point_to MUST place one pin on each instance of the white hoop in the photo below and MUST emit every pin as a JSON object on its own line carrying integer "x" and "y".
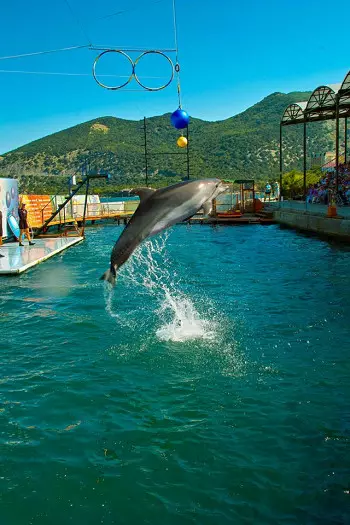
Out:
{"x": 133, "y": 70}
{"x": 113, "y": 88}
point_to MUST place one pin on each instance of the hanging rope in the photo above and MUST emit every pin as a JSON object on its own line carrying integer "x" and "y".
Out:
{"x": 177, "y": 65}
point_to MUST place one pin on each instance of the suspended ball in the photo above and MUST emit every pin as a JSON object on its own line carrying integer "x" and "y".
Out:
{"x": 182, "y": 142}
{"x": 180, "y": 119}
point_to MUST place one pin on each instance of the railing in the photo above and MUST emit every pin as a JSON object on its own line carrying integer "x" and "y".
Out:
{"x": 105, "y": 209}
{"x": 67, "y": 210}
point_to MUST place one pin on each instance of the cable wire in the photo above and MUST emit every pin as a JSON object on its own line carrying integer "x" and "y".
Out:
{"x": 44, "y": 52}
{"x": 177, "y": 66}
{"x": 78, "y": 22}
{"x": 57, "y": 73}
{"x": 117, "y": 13}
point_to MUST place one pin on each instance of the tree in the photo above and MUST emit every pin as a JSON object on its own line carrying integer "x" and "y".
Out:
{"x": 293, "y": 181}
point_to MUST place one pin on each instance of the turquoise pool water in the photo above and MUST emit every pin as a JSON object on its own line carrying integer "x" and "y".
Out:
{"x": 210, "y": 387}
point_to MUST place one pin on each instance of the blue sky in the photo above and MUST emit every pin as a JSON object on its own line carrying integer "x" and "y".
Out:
{"x": 232, "y": 54}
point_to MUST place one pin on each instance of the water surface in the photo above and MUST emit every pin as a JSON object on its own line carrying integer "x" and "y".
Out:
{"x": 210, "y": 387}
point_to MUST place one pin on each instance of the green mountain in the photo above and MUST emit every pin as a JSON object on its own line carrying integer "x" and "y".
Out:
{"x": 246, "y": 145}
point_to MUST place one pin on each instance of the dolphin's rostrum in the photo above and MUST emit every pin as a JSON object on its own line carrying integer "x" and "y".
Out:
{"x": 158, "y": 210}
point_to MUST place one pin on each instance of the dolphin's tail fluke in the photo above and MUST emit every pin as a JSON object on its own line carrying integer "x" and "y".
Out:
{"x": 110, "y": 275}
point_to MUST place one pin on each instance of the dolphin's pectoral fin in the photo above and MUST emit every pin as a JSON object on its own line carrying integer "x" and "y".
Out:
{"x": 143, "y": 193}
{"x": 207, "y": 207}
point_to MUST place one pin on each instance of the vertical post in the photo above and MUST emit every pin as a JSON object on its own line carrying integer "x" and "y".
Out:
{"x": 253, "y": 197}
{"x": 58, "y": 206}
{"x": 85, "y": 204}
{"x": 346, "y": 140}
{"x": 146, "y": 159}
{"x": 304, "y": 151}
{"x": 188, "y": 153}
{"x": 281, "y": 160}
{"x": 337, "y": 147}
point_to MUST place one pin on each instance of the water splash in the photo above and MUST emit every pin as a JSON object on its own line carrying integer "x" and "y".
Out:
{"x": 185, "y": 322}
{"x": 153, "y": 273}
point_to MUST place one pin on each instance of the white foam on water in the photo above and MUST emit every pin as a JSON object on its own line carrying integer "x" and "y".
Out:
{"x": 185, "y": 322}
{"x": 124, "y": 320}
{"x": 153, "y": 273}
{"x": 108, "y": 293}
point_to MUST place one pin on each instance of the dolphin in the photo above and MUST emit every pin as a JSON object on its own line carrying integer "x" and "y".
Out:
{"x": 158, "y": 210}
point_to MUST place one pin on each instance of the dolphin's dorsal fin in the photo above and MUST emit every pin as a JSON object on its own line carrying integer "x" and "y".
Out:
{"x": 143, "y": 193}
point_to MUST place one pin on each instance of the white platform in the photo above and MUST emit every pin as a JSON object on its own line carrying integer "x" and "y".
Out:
{"x": 19, "y": 259}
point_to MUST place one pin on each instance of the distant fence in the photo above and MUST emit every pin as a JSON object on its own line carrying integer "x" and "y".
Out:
{"x": 303, "y": 206}
{"x": 105, "y": 209}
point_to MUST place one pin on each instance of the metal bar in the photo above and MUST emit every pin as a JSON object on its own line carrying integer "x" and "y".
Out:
{"x": 130, "y": 50}
{"x": 304, "y": 152}
{"x": 188, "y": 153}
{"x": 281, "y": 160}
{"x": 346, "y": 141}
{"x": 166, "y": 153}
{"x": 85, "y": 205}
{"x": 337, "y": 149}
{"x": 253, "y": 197}
{"x": 146, "y": 162}
{"x": 60, "y": 207}
{"x": 315, "y": 119}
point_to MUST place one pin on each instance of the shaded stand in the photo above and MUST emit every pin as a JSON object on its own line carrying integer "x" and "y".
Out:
{"x": 325, "y": 103}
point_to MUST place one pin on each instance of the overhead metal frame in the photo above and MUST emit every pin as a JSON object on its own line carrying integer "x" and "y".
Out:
{"x": 150, "y": 154}
{"x": 328, "y": 102}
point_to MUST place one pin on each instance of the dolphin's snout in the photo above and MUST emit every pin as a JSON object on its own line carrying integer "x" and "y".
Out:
{"x": 223, "y": 187}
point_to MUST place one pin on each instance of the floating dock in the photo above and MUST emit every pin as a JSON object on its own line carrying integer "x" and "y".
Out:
{"x": 18, "y": 259}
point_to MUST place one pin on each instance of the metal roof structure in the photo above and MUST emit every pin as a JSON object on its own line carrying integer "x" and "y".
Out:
{"x": 322, "y": 104}
{"x": 328, "y": 102}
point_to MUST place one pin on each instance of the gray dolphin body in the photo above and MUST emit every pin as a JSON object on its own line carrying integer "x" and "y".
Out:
{"x": 158, "y": 210}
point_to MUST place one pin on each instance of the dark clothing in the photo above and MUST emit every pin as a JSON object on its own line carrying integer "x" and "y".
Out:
{"x": 23, "y": 223}
{"x": 0, "y": 223}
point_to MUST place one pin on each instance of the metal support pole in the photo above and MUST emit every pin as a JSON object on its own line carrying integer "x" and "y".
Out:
{"x": 337, "y": 148}
{"x": 304, "y": 151}
{"x": 188, "y": 153}
{"x": 85, "y": 205}
{"x": 346, "y": 140}
{"x": 281, "y": 161}
{"x": 146, "y": 160}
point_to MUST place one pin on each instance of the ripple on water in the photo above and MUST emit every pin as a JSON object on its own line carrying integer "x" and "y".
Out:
{"x": 210, "y": 386}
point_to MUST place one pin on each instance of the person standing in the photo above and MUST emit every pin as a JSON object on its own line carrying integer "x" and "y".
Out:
{"x": 1, "y": 232}
{"x": 267, "y": 191}
{"x": 23, "y": 224}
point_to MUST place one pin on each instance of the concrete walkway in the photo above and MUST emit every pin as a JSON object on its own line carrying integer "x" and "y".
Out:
{"x": 18, "y": 259}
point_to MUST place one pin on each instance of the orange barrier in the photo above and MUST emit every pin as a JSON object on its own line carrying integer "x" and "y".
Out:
{"x": 35, "y": 205}
{"x": 258, "y": 205}
{"x": 331, "y": 211}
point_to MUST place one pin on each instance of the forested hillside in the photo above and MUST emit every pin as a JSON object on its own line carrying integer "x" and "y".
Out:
{"x": 246, "y": 145}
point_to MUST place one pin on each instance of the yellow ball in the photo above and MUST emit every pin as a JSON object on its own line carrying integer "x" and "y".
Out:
{"x": 182, "y": 142}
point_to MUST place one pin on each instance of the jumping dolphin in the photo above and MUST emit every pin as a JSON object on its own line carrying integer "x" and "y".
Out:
{"x": 158, "y": 210}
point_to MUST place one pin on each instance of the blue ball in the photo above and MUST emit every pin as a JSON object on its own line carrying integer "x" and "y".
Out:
{"x": 180, "y": 119}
